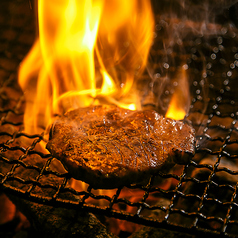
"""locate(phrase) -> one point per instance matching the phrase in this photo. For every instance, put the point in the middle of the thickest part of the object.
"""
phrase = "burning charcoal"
(12, 222)
(61, 222)
(7, 211)
(109, 147)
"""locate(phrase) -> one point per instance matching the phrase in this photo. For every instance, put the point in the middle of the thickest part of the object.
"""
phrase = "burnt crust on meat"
(109, 147)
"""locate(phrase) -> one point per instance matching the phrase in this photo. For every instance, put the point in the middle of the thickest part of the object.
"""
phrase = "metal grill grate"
(200, 197)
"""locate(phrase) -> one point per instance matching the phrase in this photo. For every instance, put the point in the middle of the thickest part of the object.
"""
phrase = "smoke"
(179, 23)
(195, 10)
(201, 17)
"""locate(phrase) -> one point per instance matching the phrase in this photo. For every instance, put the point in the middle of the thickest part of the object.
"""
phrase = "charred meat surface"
(109, 147)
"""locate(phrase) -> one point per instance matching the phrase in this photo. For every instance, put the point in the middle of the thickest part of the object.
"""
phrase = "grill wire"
(202, 197)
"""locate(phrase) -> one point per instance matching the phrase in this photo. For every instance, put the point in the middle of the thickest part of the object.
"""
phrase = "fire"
(180, 100)
(87, 52)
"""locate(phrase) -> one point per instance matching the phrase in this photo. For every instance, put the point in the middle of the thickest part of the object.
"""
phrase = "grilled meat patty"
(109, 147)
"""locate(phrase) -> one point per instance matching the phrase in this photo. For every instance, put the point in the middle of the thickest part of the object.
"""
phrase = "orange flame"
(88, 52)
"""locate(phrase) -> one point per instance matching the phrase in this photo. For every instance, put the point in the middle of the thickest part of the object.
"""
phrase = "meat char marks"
(109, 147)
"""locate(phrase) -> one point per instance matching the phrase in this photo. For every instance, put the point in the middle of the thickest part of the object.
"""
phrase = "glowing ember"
(88, 52)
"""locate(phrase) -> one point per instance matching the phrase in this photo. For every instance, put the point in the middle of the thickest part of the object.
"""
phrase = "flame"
(87, 52)
(180, 100)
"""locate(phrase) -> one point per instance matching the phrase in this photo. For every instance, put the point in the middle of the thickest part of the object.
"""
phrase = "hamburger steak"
(109, 147)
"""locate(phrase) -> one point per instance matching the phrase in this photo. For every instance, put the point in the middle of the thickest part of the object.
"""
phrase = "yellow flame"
(175, 111)
(180, 99)
(88, 52)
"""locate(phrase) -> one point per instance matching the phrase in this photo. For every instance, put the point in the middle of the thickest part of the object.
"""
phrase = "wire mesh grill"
(198, 197)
